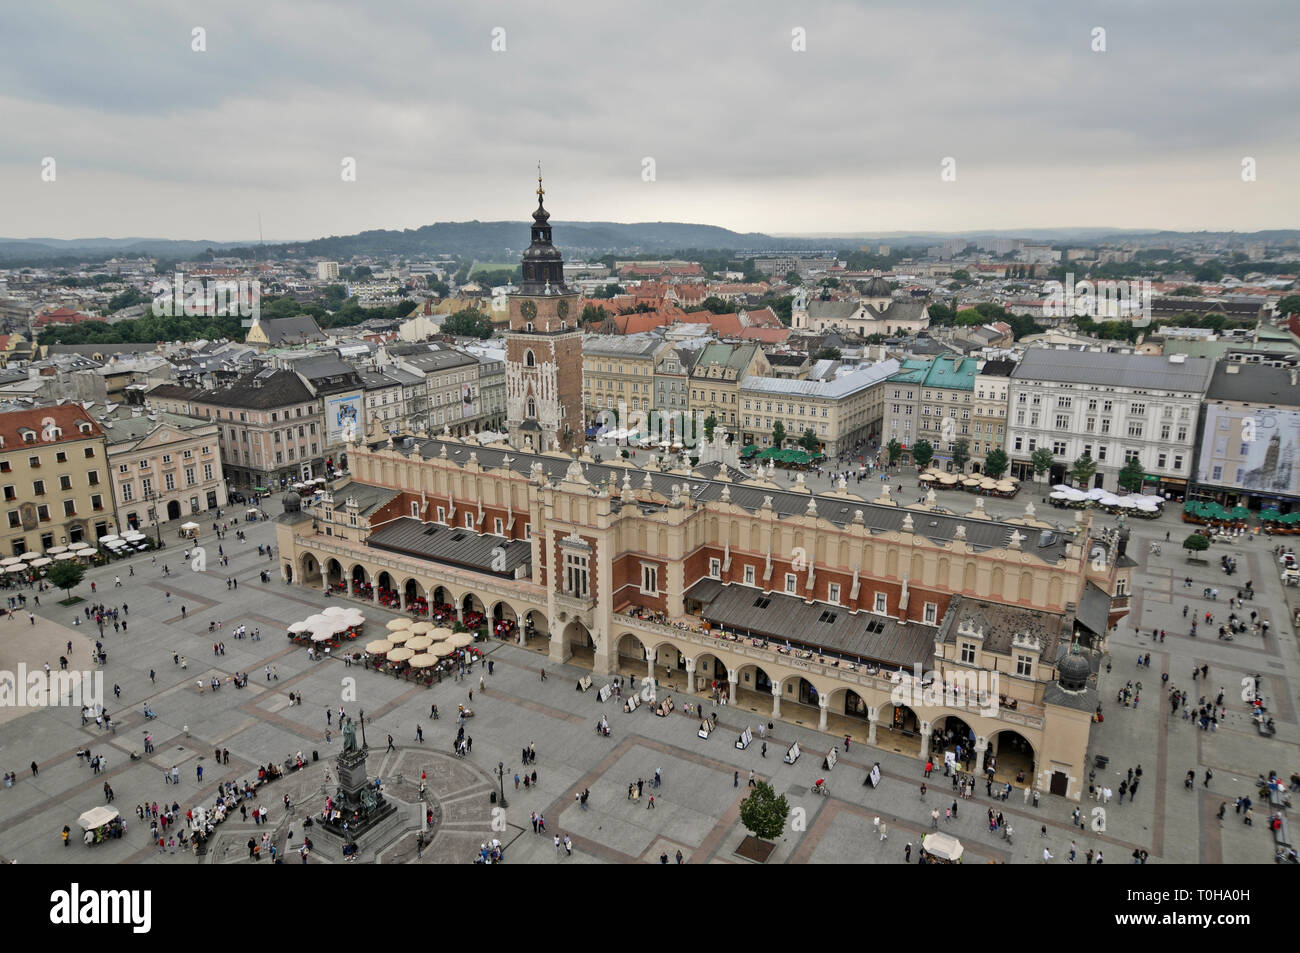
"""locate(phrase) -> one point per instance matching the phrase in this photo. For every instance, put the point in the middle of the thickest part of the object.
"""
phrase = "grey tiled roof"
(1113, 370)
(1255, 384)
(981, 534)
(1002, 622)
(452, 545)
(781, 618)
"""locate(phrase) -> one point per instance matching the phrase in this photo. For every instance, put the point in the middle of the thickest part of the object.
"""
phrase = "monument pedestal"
(360, 805)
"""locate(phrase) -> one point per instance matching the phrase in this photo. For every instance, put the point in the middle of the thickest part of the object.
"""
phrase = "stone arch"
(630, 651)
(505, 621)
(334, 575)
(537, 630)
(386, 590)
(753, 687)
(847, 703)
(1014, 752)
(579, 644)
(361, 586)
(473, 613)
(413, 599)
(309, 569)
(1026, 590)
(1054, 590)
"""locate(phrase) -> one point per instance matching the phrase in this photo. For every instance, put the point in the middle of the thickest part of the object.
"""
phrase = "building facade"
(165, 469)
(844, 412)
(989, 428)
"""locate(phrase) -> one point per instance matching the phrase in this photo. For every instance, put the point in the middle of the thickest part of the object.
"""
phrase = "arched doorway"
(413, 598)
(581, 647)
(537, 632)
(709, 669)
(631, 653)
(505, 623)
(754, 690)
(288, 572)
(848, 714)
(902, 729)
(473, 615)
(361, 587)
(669, 665)
(443, 608)
(173, 509)
(1012, 755)
(952, 734)
(334, 576)
(309, 570)
(386, 591)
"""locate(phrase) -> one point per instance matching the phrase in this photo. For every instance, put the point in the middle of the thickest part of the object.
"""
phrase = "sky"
(779, 117)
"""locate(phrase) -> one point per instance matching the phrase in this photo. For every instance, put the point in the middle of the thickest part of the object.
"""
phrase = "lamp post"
(153, 500)
(501, 777)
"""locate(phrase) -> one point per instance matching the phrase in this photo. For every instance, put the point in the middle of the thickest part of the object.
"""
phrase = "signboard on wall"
(342, 417)
(1251, 449)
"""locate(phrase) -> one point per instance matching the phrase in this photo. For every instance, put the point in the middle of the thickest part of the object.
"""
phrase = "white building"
(1113, 407)
(327, 270)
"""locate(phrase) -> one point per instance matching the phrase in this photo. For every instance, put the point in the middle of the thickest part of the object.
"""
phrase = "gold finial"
(540, 190)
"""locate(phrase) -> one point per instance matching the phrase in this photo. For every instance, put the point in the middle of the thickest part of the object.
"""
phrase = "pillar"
(401, 598)
(733, 685)
(690, 676)
(650, 663)
(925, 740)
(776, 701)
(519, 628)
(981, 745)
(823, 703)
(872, 716)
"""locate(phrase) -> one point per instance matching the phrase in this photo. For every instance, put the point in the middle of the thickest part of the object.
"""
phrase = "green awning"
(260, 489)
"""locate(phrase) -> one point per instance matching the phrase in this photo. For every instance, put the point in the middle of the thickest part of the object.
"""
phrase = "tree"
(1290, 304)
(778, 434)
(66, 575)
(468, 323)
(1041, 460)
(792, 278)
(1196, 543)
(894, 449)
(763, 813)
(996, 463)
(1132, 475)
(961, 454)
(710, 423)
(969, 318)
(922, 453)
(1082, 470)
(828, 354)
(810, 441)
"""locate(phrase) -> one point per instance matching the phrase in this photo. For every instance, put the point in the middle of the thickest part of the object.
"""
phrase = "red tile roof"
(44, 423)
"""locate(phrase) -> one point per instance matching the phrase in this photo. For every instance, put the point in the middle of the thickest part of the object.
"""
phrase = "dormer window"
(28, 435)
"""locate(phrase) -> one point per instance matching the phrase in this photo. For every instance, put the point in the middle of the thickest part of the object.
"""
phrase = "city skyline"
(751, 125)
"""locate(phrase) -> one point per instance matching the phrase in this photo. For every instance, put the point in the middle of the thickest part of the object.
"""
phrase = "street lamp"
(153, 499)
(501, 777)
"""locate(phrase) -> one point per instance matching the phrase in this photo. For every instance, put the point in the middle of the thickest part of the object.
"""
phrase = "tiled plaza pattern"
(696, 809)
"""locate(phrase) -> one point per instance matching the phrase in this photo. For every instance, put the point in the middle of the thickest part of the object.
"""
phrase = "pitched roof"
(46, 425)
(263, 390)
(1105, 369)
(301, 329)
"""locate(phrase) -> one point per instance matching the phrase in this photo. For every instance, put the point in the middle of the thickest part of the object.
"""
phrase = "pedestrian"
(1047, 856)
(884, 832)
(419, 734)
(735, 777)
(907, 854)
(390, 744)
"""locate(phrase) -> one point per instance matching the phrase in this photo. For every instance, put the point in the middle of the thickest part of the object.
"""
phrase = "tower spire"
(540, 191)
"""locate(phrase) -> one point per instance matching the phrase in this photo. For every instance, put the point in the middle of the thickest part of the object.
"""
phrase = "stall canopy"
(943, 846)
(97, 817)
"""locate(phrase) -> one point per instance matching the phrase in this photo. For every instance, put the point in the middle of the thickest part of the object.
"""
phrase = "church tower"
(544, 350)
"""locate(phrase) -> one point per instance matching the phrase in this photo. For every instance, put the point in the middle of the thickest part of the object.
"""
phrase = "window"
(207, 469)
(833, 593)
(14, 520)
(90, 453)
(1178, 463)
(169, 480)
(1058, 448)
(34, 462)
(126, 492)
(882, 603)
(968, 653)
(1062, 422)
(650, 580)
(715, 568)
(43, 513)
(1135, 430)
(61, 457)
(749, 575)
(931, 613)
(442, 514)
(575, 575)
(38, 487)
(69, 507)
(1024, 666)
(791, 583)
(65, 482)
(1160, 460)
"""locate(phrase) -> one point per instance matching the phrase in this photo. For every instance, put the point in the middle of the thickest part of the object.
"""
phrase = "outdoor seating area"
(329, 629)
(1003, 487)
(1206, 512)
(419, 651)
(1275, 521)
(127, 544)
(787, 457)
(1136, 504)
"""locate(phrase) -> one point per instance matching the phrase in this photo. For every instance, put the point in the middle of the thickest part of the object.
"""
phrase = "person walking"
(752, 782)
(419, 734)
(907, 853)
(884, 832)
(1047, 855)
(391, 747)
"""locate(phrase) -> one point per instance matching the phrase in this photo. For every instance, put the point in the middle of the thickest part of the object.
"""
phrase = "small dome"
(292, 502)
(1072, 672)
(877, 288)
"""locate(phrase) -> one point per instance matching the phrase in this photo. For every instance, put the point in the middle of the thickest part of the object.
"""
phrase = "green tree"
(961, 454)
(468, 323)
(66, 574)
(810, 441)
(996, 463)
(763, 813)
(792, 278)
(1290, 304)
(922, 453)
(894, 449)
(1132, 475)
(778, 434)
(1041, 461)
(1196, 543)
(828, 354)
(593, 314)
(716, 305)
(1082, 470)
(969, 318)
(710, 423)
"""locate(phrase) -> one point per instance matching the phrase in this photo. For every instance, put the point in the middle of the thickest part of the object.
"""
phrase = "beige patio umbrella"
(55, 550)
(441, 649)
(420, 628)
(460, 639)
(441, 634)
(947, 479)
(399, 625)
(336, 610)
(399, 638)
(29, 555)
(67, 556)
(424, 660)
(10, 560)
(1006, 485)
(987, 484)
(16, 567)
(322, 636)
(298, 627)
(401, 654)
(379, 647)
(970, 481)
(419, 643)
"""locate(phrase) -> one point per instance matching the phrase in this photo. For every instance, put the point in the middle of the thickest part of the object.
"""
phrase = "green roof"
(913, 372)
(955, 373)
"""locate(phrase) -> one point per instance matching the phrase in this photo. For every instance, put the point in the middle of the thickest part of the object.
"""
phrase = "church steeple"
(543, 265)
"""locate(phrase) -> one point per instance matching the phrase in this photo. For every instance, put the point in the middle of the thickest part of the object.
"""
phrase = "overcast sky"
(151, 138)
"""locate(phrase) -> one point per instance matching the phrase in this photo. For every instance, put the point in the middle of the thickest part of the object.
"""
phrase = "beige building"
(842, 411)
(165, 468)
(829, 609)
(988, 430)
(619, 370)
(53, 474)
(716, 377)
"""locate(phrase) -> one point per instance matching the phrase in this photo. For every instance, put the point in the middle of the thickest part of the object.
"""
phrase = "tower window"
(529, 359)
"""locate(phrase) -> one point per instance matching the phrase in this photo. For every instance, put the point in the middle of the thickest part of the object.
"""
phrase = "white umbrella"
(322, 636)
(16, 567)
(1058, 495)
(42, 561)
(55, 550)
(189, 526)
(298, 627)
(1096, 493)
(1062, 487)
(109, 538)
(66, 556)
(1125, 502)
(10, 560)
(28, 555)
(335, 610)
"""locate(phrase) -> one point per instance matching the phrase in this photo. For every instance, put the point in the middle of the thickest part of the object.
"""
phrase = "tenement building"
(906, 627)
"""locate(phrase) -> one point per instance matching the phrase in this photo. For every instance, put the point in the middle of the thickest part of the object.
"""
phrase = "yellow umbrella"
(399, 638)
(420, 628)
(397, 625)
(424, 661)
(400, 654)
(379, 647)
(419, 643)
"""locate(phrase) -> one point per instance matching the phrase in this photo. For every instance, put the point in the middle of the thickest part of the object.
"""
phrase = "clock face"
(529, 310)
(563, 309)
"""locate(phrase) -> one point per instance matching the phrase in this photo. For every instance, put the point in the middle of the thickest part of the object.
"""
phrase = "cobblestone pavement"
(696, 809)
